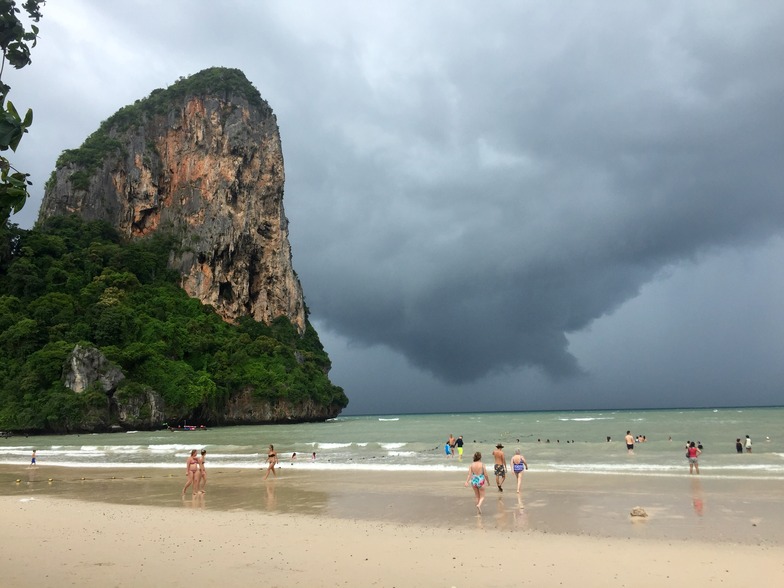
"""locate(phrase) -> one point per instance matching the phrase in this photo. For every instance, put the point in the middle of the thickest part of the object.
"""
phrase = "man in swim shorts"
(499, 466)
(629, 442)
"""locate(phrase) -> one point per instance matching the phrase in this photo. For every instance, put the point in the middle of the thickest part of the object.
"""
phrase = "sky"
(499, 206)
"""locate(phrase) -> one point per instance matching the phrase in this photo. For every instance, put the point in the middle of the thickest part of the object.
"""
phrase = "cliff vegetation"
(69, 284)
(217, 81)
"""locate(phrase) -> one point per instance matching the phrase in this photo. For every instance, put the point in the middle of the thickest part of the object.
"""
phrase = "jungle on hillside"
(68, 282)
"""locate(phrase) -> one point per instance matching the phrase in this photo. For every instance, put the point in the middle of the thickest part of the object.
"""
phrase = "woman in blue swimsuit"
(477, 478)
(519, 465)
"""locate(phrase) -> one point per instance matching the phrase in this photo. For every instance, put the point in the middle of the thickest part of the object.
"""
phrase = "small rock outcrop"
(201, 160)
(141, 410)
(87, 366)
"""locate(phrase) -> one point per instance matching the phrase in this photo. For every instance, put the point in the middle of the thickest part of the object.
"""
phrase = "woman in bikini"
(192, 469)
(477, 478)
(519, 465)
(272, 459)
(202, 470)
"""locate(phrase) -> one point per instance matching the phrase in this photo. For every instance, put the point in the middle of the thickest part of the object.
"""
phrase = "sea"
(591, 442)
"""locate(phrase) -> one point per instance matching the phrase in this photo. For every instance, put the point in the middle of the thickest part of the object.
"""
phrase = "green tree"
(16, 41)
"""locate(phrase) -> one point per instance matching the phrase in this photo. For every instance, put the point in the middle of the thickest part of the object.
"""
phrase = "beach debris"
(638, 511)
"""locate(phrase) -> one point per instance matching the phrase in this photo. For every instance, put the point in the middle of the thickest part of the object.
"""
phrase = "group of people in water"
(197, 474)
(478, 478)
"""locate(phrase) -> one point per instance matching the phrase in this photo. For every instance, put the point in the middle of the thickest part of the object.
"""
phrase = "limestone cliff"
(202, 160)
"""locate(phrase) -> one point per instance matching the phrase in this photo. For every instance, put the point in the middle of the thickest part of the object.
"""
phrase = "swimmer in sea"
(477, 478)
(629, 442)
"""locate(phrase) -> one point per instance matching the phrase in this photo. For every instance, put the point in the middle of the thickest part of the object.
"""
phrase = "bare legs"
(479, 494)
(519, 480)
(194, 479)
(188, 483)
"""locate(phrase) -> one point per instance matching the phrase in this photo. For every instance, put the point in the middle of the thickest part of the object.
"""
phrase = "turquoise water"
(577, 442)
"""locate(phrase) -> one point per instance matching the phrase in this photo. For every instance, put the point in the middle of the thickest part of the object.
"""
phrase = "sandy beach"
(93, 527)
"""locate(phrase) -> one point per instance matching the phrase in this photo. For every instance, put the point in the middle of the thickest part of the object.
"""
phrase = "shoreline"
(314, 528)
(711, 510)
(92, 544)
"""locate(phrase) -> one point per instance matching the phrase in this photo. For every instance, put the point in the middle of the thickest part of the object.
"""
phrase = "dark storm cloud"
(543, 181)
(469, 186)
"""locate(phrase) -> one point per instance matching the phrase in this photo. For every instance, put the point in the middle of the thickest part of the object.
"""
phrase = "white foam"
(390, 446)
(333, 445)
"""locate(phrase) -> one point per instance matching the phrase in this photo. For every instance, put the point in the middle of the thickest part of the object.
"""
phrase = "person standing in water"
(499, 467)
(477, 479)
(272, 460)
(693, 452)
(748, 444)
(629, 442)
(519, 465)
(459, 444)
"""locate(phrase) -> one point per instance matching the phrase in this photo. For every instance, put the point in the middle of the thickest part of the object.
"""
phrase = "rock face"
(244, 408)
(86, 366)
(145, 410)
(201, 160)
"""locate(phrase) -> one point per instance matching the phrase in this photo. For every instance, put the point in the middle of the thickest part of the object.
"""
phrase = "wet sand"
(131, 527)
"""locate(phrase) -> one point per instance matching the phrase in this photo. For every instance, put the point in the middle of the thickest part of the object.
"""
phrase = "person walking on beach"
(519, 465)
(202, 470)
(32, 460)
(192, 471)
(629, 443)
(500, 466)
(692, 453)
(477, 478)
(272, 460)
(748, 444)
